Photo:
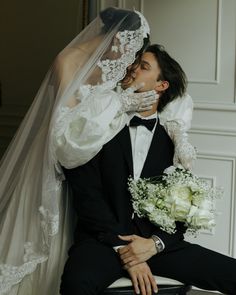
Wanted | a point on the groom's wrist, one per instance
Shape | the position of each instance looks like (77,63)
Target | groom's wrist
(159,245)
(116,248)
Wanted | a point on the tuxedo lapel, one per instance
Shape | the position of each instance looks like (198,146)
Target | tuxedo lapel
(125,142)
(158,154)
(159,157)
(153,149)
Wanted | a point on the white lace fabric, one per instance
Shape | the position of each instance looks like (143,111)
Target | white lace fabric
(11,275)
(129,43)
(185,153)
(176,118)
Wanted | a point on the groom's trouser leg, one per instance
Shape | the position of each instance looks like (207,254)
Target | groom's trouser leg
(197,266)
(90,268)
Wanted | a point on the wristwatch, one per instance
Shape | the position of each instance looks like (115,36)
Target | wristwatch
(158,243)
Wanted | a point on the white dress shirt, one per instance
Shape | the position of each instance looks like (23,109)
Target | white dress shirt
(141,139)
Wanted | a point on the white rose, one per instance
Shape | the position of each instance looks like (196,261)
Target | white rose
(198,198)
(180,192)
(180,209)
(203,219)
(169,170)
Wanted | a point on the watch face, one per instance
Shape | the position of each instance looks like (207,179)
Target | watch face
(158,244)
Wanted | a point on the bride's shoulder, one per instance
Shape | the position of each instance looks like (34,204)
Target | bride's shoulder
(179,105)
(69,57)
(179,110)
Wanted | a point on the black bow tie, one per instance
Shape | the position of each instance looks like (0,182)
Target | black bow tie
(149,123)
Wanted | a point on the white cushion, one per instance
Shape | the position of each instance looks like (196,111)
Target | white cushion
(125,282)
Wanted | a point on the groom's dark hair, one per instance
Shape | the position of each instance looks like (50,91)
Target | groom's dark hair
(172,72)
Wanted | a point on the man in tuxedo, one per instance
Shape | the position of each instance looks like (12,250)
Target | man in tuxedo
(110,240)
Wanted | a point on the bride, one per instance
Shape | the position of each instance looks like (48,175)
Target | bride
(75,112)
(79,107)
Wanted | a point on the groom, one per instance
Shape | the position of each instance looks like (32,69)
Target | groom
(110,240)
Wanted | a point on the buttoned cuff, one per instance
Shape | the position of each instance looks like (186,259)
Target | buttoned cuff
(116,248)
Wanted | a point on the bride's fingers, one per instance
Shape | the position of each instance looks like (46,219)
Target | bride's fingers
(138,86)
(143,109)
(148,103)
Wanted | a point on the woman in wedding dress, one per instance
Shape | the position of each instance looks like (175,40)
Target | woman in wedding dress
(78,91)
(79,107)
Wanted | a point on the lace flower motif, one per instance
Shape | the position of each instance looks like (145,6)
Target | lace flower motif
(130,43)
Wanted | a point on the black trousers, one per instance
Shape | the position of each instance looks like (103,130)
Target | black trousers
(92,266)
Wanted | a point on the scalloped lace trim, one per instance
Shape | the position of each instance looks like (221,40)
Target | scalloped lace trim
(11,275)
(130,43)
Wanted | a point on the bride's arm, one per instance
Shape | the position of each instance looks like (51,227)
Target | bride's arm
(176,118)
(80,132)
(65,66)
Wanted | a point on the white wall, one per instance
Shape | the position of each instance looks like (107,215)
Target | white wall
(201,35)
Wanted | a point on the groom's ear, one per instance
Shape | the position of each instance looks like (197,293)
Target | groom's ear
(161,86)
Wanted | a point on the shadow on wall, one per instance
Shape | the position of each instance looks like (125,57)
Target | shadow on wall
(30,37)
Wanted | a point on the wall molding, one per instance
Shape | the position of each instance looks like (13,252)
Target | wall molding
(212,181)
(121,3)
(215,81)
(235,65)
(214,106)
(217,48)
(210,131)
(102,4)
(232,225)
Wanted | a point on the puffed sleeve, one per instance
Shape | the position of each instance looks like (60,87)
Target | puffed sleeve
(179,110)
(80,132)
(176,118)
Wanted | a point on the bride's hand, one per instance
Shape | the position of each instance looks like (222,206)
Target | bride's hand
(138,101)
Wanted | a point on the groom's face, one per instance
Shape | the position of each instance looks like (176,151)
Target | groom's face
(148,72)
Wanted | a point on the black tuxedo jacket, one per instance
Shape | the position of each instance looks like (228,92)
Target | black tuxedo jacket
(101,196)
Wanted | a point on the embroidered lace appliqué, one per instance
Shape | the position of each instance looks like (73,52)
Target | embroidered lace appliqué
(11,274)
(185,153)
(130,43)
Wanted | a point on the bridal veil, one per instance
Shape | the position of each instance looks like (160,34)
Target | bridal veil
(35,216)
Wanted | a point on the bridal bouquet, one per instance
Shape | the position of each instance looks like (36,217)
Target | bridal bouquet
(177,195)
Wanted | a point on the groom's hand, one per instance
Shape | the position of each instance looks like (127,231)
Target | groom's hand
(142,279)
(138,250)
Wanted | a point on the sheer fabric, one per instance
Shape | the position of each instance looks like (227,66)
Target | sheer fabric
(35,215)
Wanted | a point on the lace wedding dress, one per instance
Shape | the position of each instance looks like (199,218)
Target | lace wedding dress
(75,112)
